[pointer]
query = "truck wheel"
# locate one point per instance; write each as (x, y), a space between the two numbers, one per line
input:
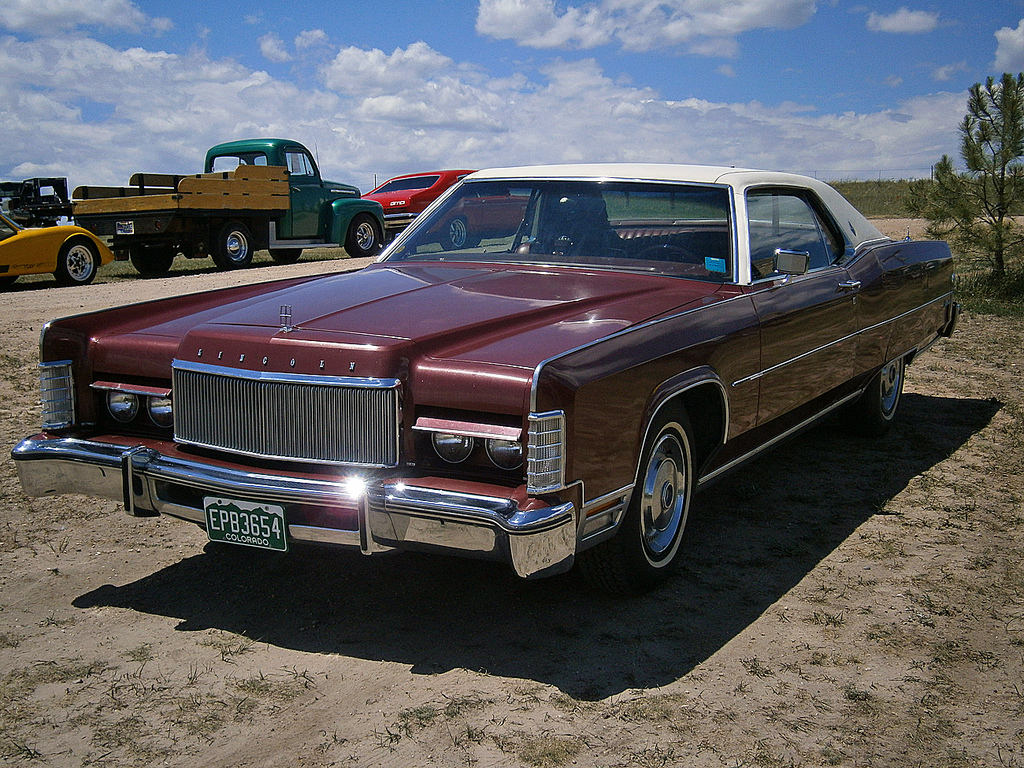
(364, 236)
(151, 261)
(285, 255)
(643, 552)
(77, 263)
(233, 248)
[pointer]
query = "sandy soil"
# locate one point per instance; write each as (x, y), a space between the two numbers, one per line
(843, 602)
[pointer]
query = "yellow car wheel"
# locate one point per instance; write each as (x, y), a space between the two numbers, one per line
(77, 262)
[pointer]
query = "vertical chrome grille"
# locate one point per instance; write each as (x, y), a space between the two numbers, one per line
(545, 460)
(57, 389)
(280, 416)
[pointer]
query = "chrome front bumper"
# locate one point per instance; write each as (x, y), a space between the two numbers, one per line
(386, 512)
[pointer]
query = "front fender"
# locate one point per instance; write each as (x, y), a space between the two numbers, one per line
(343, 211)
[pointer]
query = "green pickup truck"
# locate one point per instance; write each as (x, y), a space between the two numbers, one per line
(253, 194)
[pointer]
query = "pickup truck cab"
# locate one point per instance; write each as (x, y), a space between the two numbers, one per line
(254, 194)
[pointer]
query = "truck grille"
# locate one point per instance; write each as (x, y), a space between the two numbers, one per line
(321, 419)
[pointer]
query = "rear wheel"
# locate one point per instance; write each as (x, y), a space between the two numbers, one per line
(873, 414)
(644, 551)
(77, 263)
(364, 236)
(151, 261)
(457, 235)
(233, 246)
(285, 255)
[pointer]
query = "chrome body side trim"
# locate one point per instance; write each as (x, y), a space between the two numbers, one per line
(784, 363)
(392, 512)
(778, 438)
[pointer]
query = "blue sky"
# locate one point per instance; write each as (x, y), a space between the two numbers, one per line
(97, 89)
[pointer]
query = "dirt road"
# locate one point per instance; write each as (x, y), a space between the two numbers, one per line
(843, 602)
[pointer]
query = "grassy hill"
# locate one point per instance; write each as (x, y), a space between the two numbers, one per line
(876, 198)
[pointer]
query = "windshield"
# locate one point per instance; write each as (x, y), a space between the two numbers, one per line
(674, 229)
(404, 185)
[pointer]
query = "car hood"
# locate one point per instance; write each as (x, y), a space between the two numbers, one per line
(447, 326)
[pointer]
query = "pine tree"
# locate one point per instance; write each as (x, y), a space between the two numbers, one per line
(974, 209)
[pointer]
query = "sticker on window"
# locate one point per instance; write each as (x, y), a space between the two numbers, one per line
(714, 265)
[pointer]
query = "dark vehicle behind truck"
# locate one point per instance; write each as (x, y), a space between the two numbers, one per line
(37, 202)
(254, 194)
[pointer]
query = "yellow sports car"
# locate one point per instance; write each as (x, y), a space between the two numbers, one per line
(71, 253)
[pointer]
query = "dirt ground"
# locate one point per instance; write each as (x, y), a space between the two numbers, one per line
(843, 602)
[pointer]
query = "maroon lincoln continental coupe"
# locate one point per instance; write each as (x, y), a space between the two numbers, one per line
(552, 388)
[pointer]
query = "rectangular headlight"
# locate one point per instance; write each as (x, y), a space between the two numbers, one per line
(545, 459)
(57, 388)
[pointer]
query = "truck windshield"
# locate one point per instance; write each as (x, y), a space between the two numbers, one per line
(677, 229)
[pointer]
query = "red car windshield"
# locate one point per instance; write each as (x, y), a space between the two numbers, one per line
(404, 185)
(676, 229)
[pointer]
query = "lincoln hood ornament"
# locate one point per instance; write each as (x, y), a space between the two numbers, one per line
(286, 317)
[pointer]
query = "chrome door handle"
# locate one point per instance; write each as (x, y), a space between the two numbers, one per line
(848, 286)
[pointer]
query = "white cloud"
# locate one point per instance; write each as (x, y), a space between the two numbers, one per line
(945, 73)
(80, 108)
(355, 70)
(637, 25)
(903, 21)
(48, 16)
(1010, 49)
(272, 48)
(311, 38)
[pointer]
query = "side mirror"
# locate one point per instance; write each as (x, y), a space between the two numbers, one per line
(791, 262)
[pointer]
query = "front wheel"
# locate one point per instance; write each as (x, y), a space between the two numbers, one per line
(364, 236)
(643, 552)
(233, 247)
(77, 263)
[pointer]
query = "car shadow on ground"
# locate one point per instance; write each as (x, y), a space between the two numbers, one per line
(751, 538)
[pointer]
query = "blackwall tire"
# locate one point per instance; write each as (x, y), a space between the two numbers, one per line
(364, 236)
(233, 248)
(151, 262)
(77, 262)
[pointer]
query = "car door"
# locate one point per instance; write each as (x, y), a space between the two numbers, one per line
(306, 195)
(808, 322)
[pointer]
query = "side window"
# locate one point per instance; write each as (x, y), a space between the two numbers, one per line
(299, 164)
(786, 220)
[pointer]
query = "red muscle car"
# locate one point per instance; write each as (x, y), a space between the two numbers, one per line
(403, 197)
(551, 390)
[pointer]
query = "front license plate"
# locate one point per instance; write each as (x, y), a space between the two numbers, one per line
(124, 227)
(242, 522)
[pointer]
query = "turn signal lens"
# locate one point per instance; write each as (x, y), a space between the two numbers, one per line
(452, 448)
(160, 411)
(505, 454)
(123, 406)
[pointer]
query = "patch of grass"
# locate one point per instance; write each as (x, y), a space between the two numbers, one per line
(229, 645)
(756, 667)
(882, 198)
(981, 292)
(651, 709)
(548, 751)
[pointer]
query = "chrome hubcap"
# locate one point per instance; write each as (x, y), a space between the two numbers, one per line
(457, 233)
(365, 236)
(79, 262)
(663, 501)
(237, 246)
(891, 378)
